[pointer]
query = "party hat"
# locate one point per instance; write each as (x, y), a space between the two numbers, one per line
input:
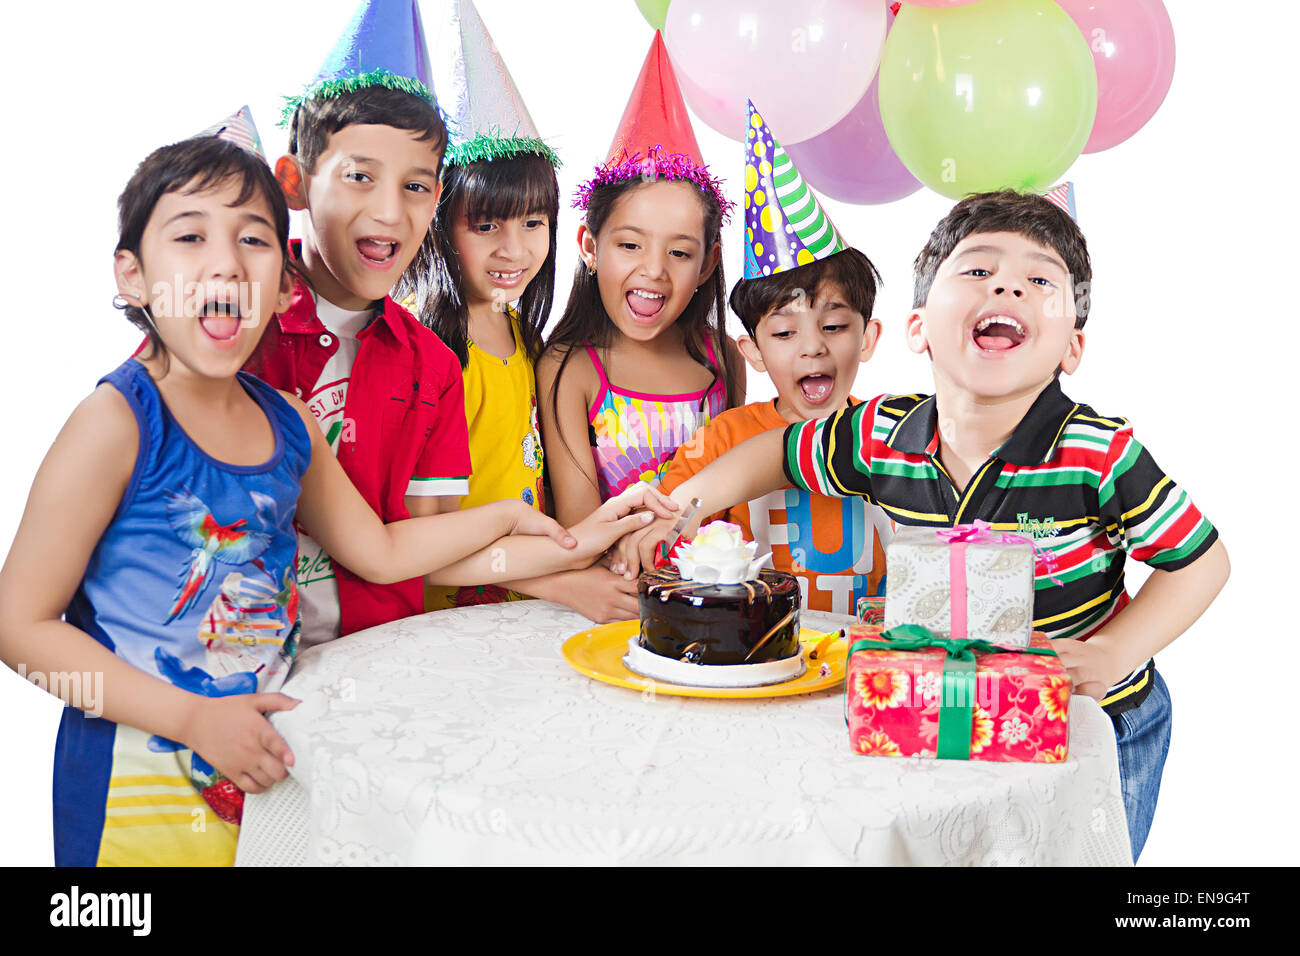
(1063, 196)
(486, 116)
(785, 227)
(238, 128)
(382, 45)
(655, 138)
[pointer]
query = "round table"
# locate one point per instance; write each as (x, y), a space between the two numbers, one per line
(463, 737)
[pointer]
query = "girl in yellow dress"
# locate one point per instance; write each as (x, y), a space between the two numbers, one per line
(484, 281)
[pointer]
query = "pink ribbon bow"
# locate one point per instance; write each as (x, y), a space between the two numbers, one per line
(979, 532)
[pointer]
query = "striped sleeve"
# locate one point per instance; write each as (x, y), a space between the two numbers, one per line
(832, 456)
(1145, 513)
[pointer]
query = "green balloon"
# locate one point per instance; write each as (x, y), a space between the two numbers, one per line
(654, 11)
(1000, 93)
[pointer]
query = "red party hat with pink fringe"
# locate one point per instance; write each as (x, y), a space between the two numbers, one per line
(655, 139)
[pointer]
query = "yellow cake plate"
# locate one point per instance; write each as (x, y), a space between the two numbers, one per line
(598, 653)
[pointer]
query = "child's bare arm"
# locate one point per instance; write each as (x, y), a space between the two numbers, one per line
(73, 498)
(526, 557)
(596, 593)
(333, 512)
(574, 491)
(1167, 605)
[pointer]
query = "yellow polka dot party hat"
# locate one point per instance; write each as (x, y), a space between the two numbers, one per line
(785, 226)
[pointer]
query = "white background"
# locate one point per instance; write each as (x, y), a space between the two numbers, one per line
(1192, 334)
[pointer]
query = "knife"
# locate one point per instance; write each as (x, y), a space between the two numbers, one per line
(679, 527)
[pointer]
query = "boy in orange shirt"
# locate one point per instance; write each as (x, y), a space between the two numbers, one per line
(809, 327)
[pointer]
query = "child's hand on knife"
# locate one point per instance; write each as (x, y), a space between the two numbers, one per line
(651, 546)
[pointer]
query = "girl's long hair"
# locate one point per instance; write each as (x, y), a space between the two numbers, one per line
(585, 321)
(495, 189)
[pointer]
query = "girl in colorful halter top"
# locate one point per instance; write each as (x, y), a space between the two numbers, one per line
(639, 359)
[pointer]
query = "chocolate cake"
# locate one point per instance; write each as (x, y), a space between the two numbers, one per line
(720, 624)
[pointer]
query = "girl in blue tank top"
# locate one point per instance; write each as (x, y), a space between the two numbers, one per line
(151, 583)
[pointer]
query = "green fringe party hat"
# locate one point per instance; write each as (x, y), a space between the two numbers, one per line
(486, 116)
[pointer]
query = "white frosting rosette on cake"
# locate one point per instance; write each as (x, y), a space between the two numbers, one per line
(719, 554)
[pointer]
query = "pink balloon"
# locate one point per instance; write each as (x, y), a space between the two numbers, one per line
(853, 161)
(1132, 43)
(805, 65)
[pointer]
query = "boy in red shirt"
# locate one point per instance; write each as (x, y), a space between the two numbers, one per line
(366, 143)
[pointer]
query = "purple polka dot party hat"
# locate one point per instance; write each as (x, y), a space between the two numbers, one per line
(785, 225)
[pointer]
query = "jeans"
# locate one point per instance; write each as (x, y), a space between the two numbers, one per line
(1142, 735)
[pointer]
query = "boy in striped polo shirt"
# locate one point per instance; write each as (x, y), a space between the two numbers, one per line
(1001, 296)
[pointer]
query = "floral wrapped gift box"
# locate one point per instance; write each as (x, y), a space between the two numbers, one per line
(911, 693)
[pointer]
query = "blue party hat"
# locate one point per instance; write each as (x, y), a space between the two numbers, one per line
(382, 45)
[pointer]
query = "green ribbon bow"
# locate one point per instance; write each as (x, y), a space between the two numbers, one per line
(957, 695)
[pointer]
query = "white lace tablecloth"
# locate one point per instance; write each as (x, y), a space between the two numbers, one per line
(463, 737)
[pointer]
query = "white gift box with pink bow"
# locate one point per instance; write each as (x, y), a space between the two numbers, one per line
(963, 582)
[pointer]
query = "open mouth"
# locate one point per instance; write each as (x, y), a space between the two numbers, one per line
(998, 333)
(380, 252)
(505, 278)
(220, 320)
(816, 389)
(644, 304)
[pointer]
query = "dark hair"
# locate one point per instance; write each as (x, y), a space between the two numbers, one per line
(1026, 214)
(316, 120)
(751, 299)
(483, 190)
(585, 321)
(193, 166)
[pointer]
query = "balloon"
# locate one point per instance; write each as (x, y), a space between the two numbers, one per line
(654, 11)
(998, 94)
(1132, 44)
(853, 161)
(804, 64)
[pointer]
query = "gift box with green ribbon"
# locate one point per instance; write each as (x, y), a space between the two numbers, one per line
(912, 693)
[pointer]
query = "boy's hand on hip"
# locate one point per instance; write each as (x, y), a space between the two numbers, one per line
(1090, 665)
